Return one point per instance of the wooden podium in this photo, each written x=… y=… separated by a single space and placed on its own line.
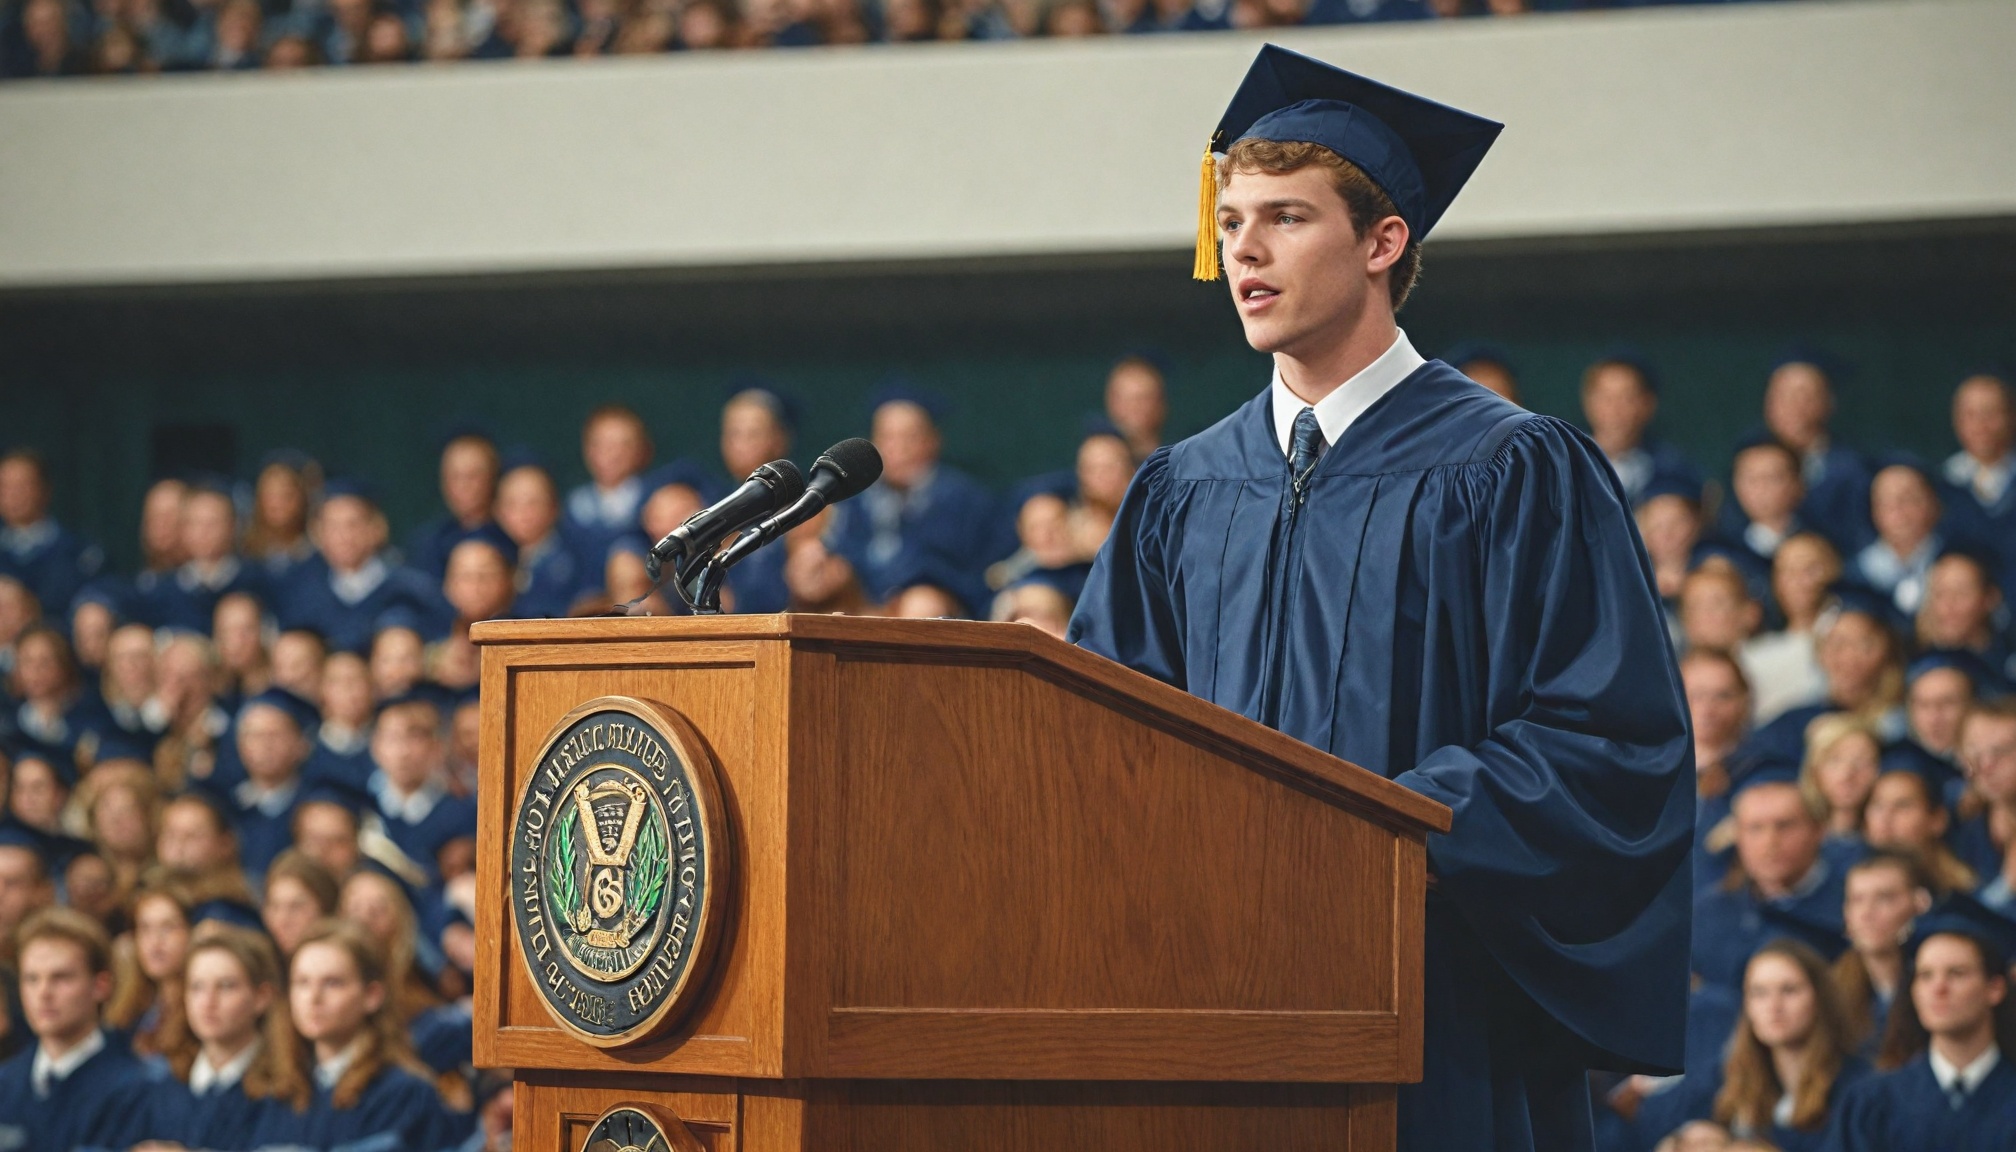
x=978 y=890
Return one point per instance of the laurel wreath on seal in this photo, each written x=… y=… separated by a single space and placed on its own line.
x=643 y=886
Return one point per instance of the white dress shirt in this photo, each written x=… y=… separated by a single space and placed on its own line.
x=46 y=1072
x=1986 y=481
x=205 y=1077
x=1341 y=408
x=1968 y=1078
x=329 y=1072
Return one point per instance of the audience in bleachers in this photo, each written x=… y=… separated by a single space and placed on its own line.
x=236 y=865
x=124 y=37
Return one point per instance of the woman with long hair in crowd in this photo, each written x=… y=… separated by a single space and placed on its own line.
x=1792 y=1055
x=1886 y=892
x=53 y=711
x=1906 y=814
x=378 y=904
x=122 y=808
x=147 y=999
x=185 y=703
x=239 y=1057
x=367 y=1084
x=1843 y=758
x=299 y=894
x=198 y=844
x=1785 y=662
x=281 y=499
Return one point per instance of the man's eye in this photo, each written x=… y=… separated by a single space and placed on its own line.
x=1285 y=218
x=1231 y=225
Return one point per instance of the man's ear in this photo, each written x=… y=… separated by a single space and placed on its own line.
x=1389 y=242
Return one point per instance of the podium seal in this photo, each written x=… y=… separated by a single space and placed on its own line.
x=639 y=1128
x=619 y=861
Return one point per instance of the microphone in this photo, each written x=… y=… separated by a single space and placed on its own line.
x=772 y=486
x=845 y=470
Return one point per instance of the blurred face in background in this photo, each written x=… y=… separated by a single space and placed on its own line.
x=372 y=901
x=60 y=995
x=1716 y=611
x=1105 y=466
x=270 y=745
x=1960 y=601
x=191 y=839
x=1901 y=815
x=1777 y=838
x=1982 y=419
x=160 y=938
x=480 y=582
x=1044 y=526
x=327 y=834
x=406 y=743
x=1716 y=699
x=1801 y=570
x=1880 y=906
x=1671 y=526
x=224 y=1005
x=297 y=664
x=161 y=524
x=23 y=496
x=1903 y=508
x=469 y=479
x=1847 y=770
x=1853 y=656
x=751 y=436
x=346 y=691
x=1768 y=486
x=24 y=887
x=1935 y=704
x=1137 y=402
x=1798 y=403
x=238 y=626
x=350 y=532
x=120 y=822
x=289 y=911
x=40 y=672
x=615 y=448
x=398 y=661
x=1779 y=1001
x=1988 y=753
x=908 y=441
x=667 y=508
x=17 y=609
x=36 y=794
x=280 y=501
x=527 y=506
x=1618 y=406
x=91 y=625
x=209 y=526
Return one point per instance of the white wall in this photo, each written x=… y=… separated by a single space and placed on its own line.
x=1660 y=120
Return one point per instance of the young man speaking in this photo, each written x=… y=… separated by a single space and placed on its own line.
x=1384 y=560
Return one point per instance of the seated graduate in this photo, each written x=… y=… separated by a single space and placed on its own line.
x=26 y=887
x=1765 y=479
x=1939 y=688
x=327 y=825
x=120 y=800
x=1106 y=465
x=199 y=842
x=1784 y=663
x=1961 y=609
x=350 y=582
x=50 y=560
x=98 y=610
x=819 y=579
x=367 y=1086
x=415 y=809
x=922 y=514
x=672 y=494
x=1984 y=423
x=239 y=1057
x=1886 y=892
x=1716 y=611
x=146 y=1004
x=300 y=893
x=1843 y=759
x=277 y=538
x=55 y=713
x=1046 y=552
x=1780 y=876
x=1792 y=1059
x=1987 y=827
x=275 y=735
x=554 y=573
x=69 y=1088
x=193 y=746
x=186 y=599
x=1718 y=702
x=1035 y=603
x=1620 y=399
x=39 y=787
x=1487 y=364
x=160 y=533
x=239 y=628
x=469 y=469
x=481 y=585
x=1954 y=1084
x=1137 y=402
x=342 y=754
x=758 y=424
x=1861 y=658
x=1798 y=409
x=1907 y=813
x=379 y=904
x=616 y=447
x=398 y=655
x=1904 y=507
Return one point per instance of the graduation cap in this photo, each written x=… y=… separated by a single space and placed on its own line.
x=1417 y=151
x=681 y=471
x=1763 y=768
x=496 y=538
x=1783 y=923
x=61 y=763
x=782 y=406
x=1981 y=558
x=464 y=428
x=15 y=834
x=105 y=592
x=353 y=486
x=1096 y=424
x=901 y=391
x=203 y=792
x=1962 y=915
x=337 y=793
x=231 y=912
x=432 y=695
x=305 y=716
x=1633 y=357
x=1959 y=660
x=1850 y=596
x=1762 y=437
x=290 y=458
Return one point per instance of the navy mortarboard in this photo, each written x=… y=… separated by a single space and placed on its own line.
x=1963 y=915
x=235 y=913
x=304 y=714
x=898 y=390
x=782 y=406
x=1417 y=151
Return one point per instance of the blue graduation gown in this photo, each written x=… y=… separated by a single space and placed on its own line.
x=1461 y=606
x=1731 y=924
x=1694 y=1099
x=83 y=1110
x=182 y=603
x=422 y=840
x=264 y=832
x=1905 y=1111
x=399 y=1112
x=52 y=561
x=554 y=575
x=221 y=1120
x=428 y=548
x=758 y=582
x=1837 y=499
x=307 y=600
x=946 y=535
x=1975 y=845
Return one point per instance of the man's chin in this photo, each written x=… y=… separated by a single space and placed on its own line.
x=1267 y=335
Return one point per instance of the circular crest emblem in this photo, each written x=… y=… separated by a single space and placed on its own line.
x=638 y=1128
x=619 y=862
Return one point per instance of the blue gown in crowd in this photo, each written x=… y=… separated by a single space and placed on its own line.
x=83 y=1110
x=399 y=1112
x=1907 y=1111
x=186 y=600
x=50 y=560
x=1973 y=842
x=1730 y=924
x=265 y=824
x=428 y=548
x=1837 y=498
x=941 y=532
x=1695 y=1100
x=758 y=582
x=220 y=1120
x=553 y=574
x=1460 y=608
x=422 y=835
x=308 y=599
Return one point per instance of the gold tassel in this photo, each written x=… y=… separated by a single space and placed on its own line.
x=1206 y=267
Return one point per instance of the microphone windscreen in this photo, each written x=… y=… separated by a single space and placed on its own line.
x=858 y=465
x=786 y=482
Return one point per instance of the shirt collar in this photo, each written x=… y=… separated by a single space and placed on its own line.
x=329 y=1072
x=205 y=1077
x=1336 y=412
x=269 y=801
x=410 y=807
x=353 y=587
x=1968 y=1078
x=47 y=1071
x=213 y=577
x=21 y=541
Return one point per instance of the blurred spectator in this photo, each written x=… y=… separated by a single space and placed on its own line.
x=757 y=426
x=552 y=574
x=160 y=533
x=1620 y=398
x=239 y=23
x=1984 y=423
x=617 y=449
x=298 y=654
x=1769 y=492
x=1784 y=664
x=50 y=560
x=469 y=467
x=274 y=733
x=185 y=600
x=704 y=24
x=1885 y=892
x=1905 y=510
x=351 y=582
x=278 y=534
x=75 y=1081
x=1779 y=873
x=1798 y=408
x=1843 y=760
x=1716 y=612
x=1039 y=605
x=45 y=46
x=1488 y=365
x=1137 y=403
x=239 y=629
x=1961 y=603
x=1907 y=814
